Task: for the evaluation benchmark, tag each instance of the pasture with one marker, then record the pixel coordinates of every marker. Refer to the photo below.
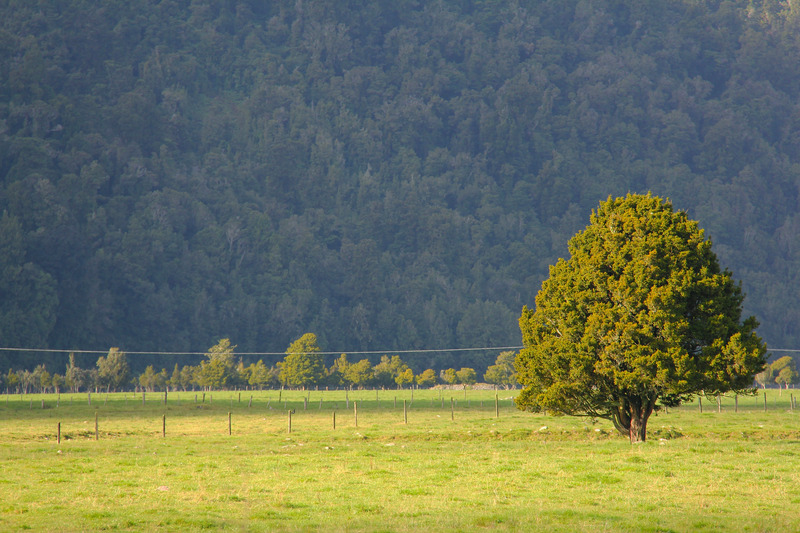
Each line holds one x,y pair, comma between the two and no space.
448,462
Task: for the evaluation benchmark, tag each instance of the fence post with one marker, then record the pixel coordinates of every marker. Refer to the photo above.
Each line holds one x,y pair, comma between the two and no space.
59,432
405,413
290,421
700,402
164,426
96,432
229,422
334,420
496,406
452,409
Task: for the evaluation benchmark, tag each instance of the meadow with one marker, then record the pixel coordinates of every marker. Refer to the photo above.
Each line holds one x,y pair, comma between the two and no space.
449,461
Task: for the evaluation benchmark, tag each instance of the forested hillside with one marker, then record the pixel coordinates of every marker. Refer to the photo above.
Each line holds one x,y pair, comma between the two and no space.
388,174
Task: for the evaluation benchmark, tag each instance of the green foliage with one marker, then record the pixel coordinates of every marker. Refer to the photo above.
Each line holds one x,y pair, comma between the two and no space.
449,376
640,315
219,370
113,371
359,374
783,371
467,376
406,377
302,366
502,371
427,378
386,372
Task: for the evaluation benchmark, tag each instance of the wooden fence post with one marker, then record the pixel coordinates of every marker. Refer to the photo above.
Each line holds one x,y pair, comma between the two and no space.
700,402
496,406
405,413
229,422
59,432
452,409
164,426
290,421
334,420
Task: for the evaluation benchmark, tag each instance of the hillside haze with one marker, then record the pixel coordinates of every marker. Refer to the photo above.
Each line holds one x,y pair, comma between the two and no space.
389,175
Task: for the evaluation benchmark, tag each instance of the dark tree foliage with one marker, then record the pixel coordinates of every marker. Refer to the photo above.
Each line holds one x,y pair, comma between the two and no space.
391,175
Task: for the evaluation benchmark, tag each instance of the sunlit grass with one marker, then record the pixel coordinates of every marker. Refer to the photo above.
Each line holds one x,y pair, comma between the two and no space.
448,469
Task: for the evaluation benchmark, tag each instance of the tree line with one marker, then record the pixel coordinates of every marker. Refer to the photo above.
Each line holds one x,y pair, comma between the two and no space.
302,367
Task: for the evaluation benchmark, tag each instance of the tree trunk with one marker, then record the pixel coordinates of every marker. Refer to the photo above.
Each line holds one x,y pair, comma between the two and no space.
638,429
630,418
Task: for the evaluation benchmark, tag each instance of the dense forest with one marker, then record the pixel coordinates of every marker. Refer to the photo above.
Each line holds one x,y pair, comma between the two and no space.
390,175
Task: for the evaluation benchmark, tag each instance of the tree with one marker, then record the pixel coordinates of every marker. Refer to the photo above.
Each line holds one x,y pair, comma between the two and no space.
57,381
302,366
220,368
175,379
359,374
112,370
386,372
427,378
467,376
41,378
258,375
502,371
640,316
75,377
148,379
337,371
448,376
404,378
12,380
784,371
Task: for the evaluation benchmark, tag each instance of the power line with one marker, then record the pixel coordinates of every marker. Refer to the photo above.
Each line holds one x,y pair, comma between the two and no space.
368,352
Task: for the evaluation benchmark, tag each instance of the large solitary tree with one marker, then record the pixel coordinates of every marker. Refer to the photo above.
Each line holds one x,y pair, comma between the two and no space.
640,316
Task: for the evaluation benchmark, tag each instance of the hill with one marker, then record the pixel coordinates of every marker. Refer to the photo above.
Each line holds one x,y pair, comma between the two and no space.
389,175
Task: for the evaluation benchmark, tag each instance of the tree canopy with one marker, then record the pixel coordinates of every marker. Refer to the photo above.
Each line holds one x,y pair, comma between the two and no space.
303,365
640,316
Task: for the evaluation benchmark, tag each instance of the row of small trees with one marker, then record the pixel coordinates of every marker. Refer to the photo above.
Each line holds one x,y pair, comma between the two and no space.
782,372
302,367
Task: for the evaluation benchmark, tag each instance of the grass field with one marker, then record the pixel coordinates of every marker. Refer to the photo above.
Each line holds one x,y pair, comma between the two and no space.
458,468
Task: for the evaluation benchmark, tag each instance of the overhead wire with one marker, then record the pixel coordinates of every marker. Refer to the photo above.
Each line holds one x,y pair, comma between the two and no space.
362,352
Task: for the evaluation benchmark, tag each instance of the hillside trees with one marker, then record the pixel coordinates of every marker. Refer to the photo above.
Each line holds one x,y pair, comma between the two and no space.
392,177
641,315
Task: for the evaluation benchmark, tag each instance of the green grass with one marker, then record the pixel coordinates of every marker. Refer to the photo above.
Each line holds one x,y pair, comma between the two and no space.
698,472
